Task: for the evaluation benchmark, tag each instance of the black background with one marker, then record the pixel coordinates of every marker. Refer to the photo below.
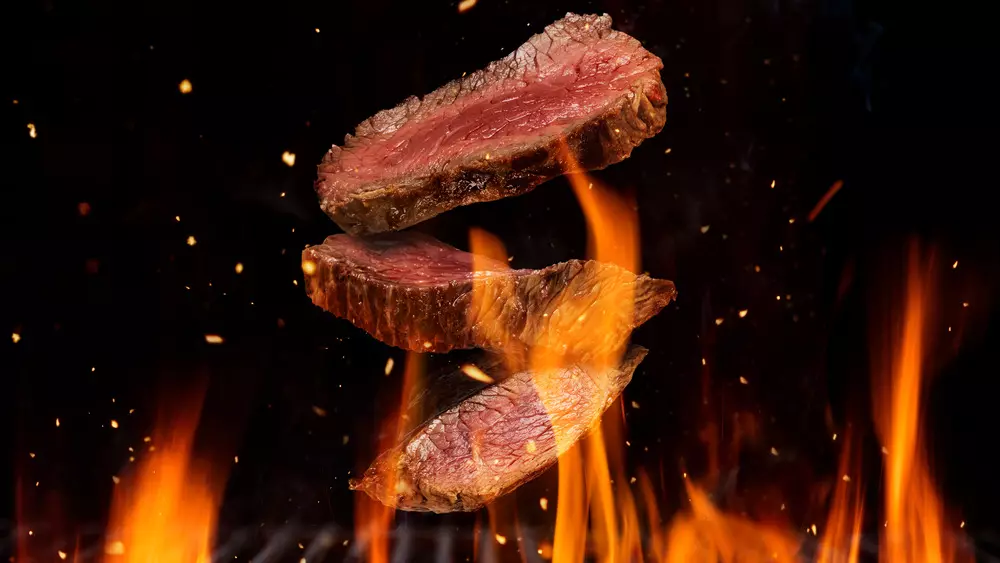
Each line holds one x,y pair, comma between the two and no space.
891,98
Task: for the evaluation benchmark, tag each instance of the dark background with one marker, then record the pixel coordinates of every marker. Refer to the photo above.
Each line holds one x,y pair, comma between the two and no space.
112,306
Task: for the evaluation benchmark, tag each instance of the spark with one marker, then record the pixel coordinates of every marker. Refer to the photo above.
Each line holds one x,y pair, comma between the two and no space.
955,265
962,525
471,370
83,208
965,304
191,241
825,199
705,228
236,459
772,184
213,339
774,451
185,86
756,268
743,312
466,5
778,297
32,132
719,321
116,479
544,503
834,436
388,366
114,423
147,439
317,30
177,218
667,151
308,267
846,478
61,554
743,380
813,529
703,362
791,220
635,405
282,194
427,345
320,411
57,423
288,158
93,369
15,337
500,539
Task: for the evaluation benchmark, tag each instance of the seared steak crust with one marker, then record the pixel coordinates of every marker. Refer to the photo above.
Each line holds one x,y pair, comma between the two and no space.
577,96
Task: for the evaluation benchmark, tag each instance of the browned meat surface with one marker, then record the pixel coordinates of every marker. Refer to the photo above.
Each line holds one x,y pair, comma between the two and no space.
496,439
415,292
500,131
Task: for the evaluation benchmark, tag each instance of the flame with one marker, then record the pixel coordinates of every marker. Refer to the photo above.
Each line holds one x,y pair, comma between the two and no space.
843,525
372,518
167,513
914,528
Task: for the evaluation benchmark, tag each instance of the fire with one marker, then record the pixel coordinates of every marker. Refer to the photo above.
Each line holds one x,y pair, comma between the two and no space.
914,528
166,510
841,539
372,519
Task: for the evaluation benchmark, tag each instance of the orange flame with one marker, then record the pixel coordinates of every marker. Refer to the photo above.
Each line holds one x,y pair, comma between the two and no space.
914,528
372,518
843,525
167,512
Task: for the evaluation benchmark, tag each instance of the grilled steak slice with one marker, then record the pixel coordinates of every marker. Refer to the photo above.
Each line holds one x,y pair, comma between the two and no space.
412,291
494,440
578,95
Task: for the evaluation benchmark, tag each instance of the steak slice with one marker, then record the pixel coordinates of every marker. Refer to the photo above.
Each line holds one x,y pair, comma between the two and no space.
500,131
496,439
412,291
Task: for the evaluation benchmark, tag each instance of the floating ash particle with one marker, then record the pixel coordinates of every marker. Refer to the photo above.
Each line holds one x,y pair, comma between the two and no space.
61,554
955,265
705,228
544,503
502,540
213,339
719,321
115,548
83,208
15,337
191,241
115,479
185,86
774,451
743,312
466,5
308,267
114,423
320,411
388,366
288,158
239,267
743,380
471,370
32,132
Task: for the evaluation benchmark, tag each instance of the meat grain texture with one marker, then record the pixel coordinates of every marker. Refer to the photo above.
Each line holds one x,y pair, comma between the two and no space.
579,95
412,291
493,441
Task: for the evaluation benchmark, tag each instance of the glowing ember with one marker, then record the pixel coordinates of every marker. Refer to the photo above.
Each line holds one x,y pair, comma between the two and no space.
114,423
825,199
213,339
185,86
191,241
476,373
83,208
743,313
466,5
239,267
308,267
288,158
544,503
15,337
502,540
32,132
389,365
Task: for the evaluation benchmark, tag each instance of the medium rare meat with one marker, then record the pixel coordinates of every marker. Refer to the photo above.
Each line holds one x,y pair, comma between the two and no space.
412,291
496,439
578,94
